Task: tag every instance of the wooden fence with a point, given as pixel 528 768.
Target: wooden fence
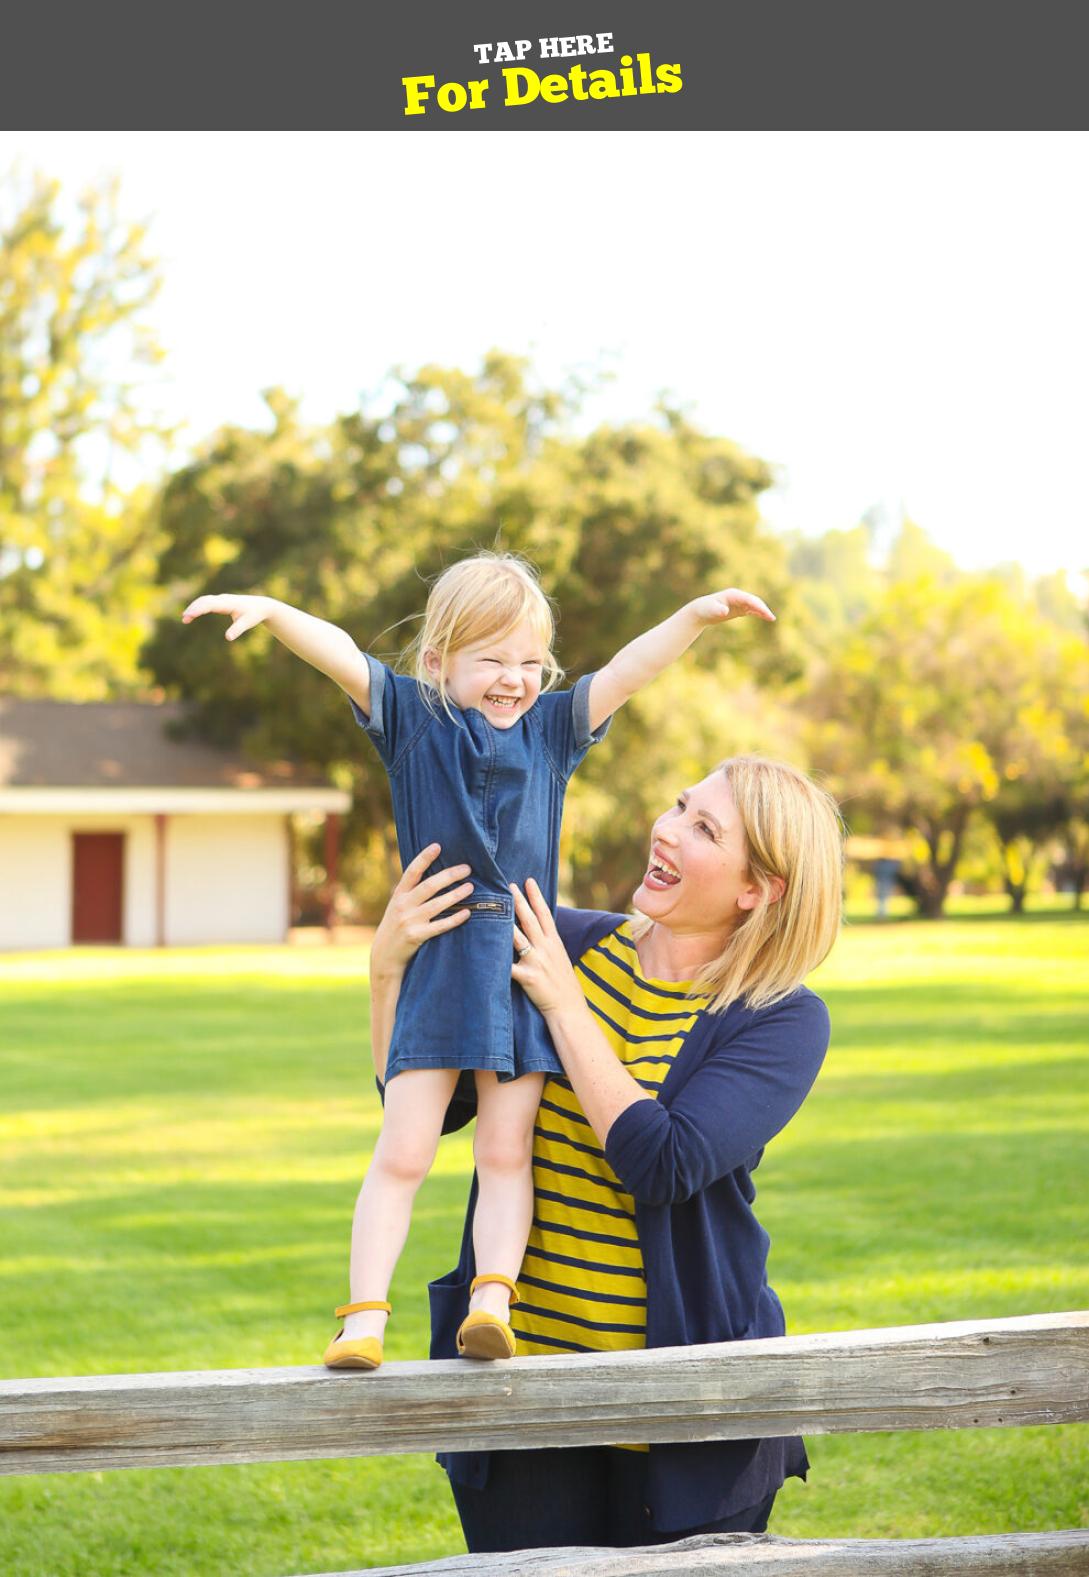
pixel 993 1373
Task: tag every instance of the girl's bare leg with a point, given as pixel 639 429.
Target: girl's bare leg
pixel 416 1102
pixel 503 1150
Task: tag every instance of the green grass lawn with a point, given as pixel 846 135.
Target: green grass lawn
pixel 183 1136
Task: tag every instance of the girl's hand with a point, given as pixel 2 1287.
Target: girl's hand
pixel 243 610
pixel 417 911
pixel 732 604
pixel 544 972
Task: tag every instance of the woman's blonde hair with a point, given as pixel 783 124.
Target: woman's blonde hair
pixel 794 831
pixel 481 599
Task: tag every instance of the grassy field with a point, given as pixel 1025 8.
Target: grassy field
pixel 183 1136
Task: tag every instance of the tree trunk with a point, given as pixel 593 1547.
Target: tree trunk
pixel 1016 891
pixel 935 879
pixel 933 891
pixel 1020 858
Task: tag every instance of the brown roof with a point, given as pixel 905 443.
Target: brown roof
pixel 122 744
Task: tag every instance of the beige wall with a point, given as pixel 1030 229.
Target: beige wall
pixel 226 878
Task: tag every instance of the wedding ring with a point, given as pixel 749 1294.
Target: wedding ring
pixel 522 951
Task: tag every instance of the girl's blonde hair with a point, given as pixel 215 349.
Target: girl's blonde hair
pixel 793 830
pixel 481 599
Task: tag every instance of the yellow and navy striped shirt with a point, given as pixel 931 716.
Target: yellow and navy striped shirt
pixel 582 1287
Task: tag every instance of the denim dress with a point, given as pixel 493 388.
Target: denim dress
pixel 493 797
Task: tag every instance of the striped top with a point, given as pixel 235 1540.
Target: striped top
pixel 582 1286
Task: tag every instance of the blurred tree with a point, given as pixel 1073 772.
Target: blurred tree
pixel 1074 841
pixel 1062 598
pixel 1023 824
pixel 914 555
pixel 834 583
pixel 630 522
pixel 77 557
pixel 352 521
pixel 838 578
pixel 945 693
pixel 1044 780
pixel 1073 830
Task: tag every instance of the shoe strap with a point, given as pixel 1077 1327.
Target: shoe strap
pixel 358 1308
pixel 485 1277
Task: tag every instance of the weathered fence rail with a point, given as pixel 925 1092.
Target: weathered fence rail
pixel 763 1555
pixel 993 1373
pixel 1032 1370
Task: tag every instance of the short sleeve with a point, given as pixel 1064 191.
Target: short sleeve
pixel 565 722
pixel 397 715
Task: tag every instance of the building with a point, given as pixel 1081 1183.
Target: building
pixel 112 831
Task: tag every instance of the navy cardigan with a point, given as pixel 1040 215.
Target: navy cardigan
pixel 687 1159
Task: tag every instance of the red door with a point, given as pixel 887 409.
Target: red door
pixel 98 865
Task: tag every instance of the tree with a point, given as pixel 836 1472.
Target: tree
pixel 837 581
pixel 1024 818
pixel 913 555
pixel 77 557
pixel 1074 839
pixel 1063 598
pixel 1073 789
pixel 943 695
pixel 839 578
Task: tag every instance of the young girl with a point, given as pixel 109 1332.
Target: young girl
pixel 478 748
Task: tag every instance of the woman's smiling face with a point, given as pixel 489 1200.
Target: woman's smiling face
pixel 697 877
pixel 501 678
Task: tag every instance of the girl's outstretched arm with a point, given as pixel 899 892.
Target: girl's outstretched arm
pixel 643 659
pixel 324 646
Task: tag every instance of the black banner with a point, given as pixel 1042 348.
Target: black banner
pixel 582 65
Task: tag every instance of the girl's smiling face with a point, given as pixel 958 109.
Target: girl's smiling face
pixel 501 677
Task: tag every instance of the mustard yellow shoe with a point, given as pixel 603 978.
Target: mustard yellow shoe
pixel 484 1335
pixel 363 1353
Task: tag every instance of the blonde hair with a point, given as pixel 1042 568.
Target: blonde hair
pixel 793 830
pixel 480 599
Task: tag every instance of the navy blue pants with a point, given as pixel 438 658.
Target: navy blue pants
pixel 587 1495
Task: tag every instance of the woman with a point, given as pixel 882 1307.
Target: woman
pixel 687 1041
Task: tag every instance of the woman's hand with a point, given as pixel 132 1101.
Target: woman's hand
pixel 603 1086
pixel 542 969
pixel 416 911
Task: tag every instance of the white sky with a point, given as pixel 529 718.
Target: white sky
pixel 896 320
